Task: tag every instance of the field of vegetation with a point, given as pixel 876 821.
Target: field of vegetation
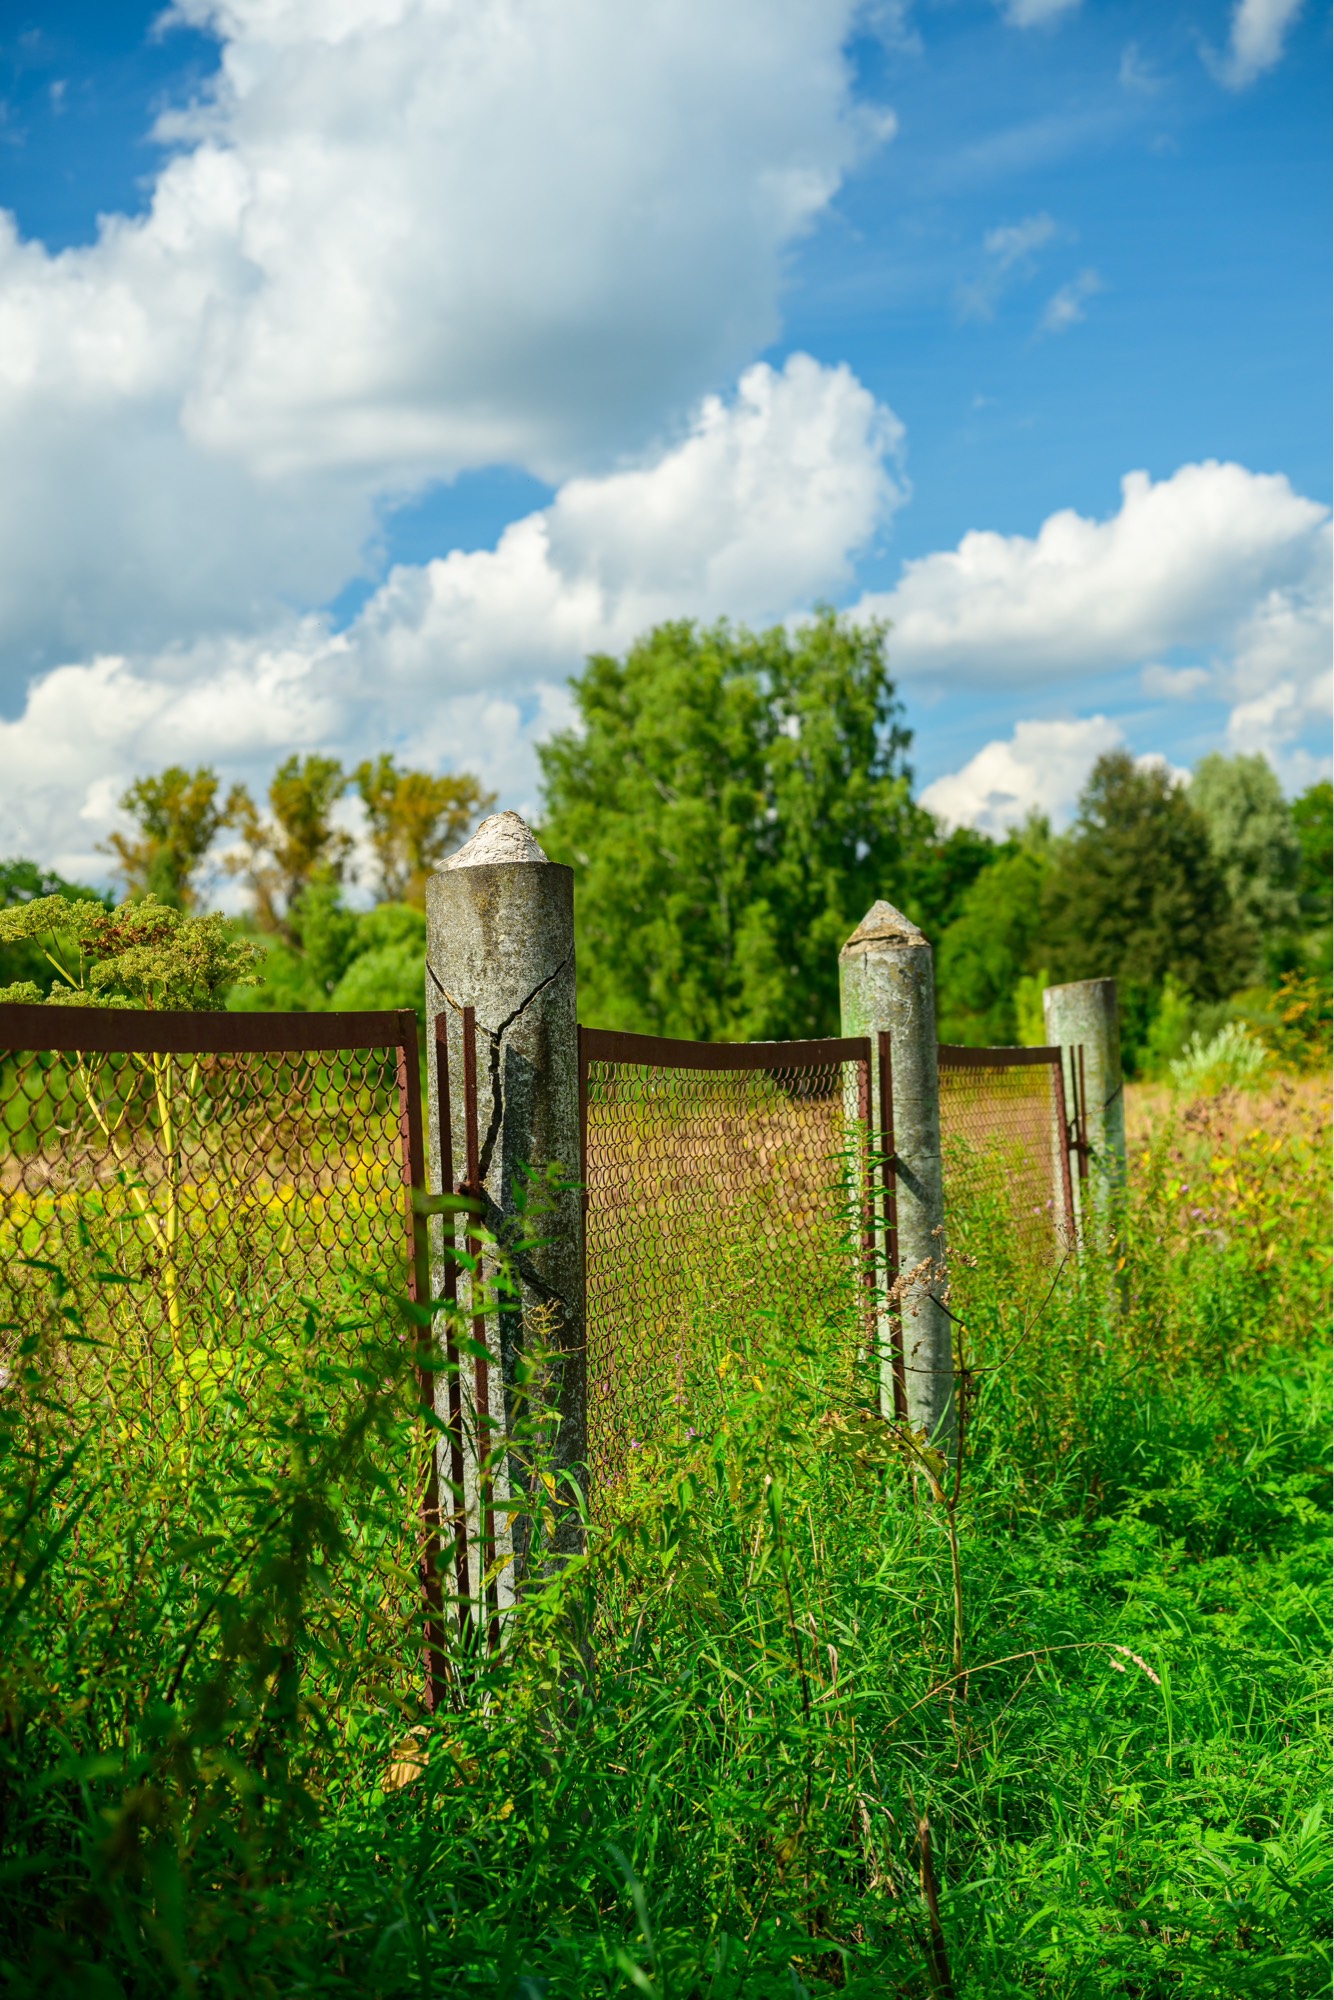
pixel 789 1727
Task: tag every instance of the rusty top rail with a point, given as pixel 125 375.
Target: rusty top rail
pixel 660 1052
pixel 954 1055
pixel 150 1031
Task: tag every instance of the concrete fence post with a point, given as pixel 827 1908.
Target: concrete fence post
pixel 1084 1016
pixel 500 939
pixel 887 982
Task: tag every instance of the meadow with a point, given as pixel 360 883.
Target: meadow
pixel 790 1726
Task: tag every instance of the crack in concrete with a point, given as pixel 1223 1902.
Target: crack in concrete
pixel 496 1036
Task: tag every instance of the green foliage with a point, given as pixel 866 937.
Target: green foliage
pixel 990 947
pixel 282 856
pixel 1029 1015
pixel 1135 893
pixel 178 818
pixel 1254 840
pixel 703 1765
pixel 1297 1023
pixel 144 954
pixel 1174 1016
pixel 1313 817
pixel 732 804
pixel 339 958
pixel 1233 1059
pixel 414 821
pixel 944 868
pixel 23 962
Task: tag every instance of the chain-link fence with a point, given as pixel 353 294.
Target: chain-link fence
pixel 206 1222
pixel 713 1173
pixel 217 1166
pixel 1006 1147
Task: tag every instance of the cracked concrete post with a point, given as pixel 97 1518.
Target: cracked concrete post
pixel 1085 1015
pixel 500 938
pixel 887 982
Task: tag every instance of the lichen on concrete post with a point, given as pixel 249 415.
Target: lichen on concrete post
pixel 1084 1015
pixel 887 983
pixel 500 939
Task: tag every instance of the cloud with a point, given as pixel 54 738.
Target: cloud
pixel 1065 308
pixel 1010 251
pixel 763 503
pixel 1036 13
pixel 1016 241
pixel 1135 74
pixel 396 239
pixel 1188 561
pixel 1279 678
pixel 1216 560
pixel 1041 768
pixel 1255 41
pixel 1174 683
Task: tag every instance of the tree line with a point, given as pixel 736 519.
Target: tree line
pixel 732 802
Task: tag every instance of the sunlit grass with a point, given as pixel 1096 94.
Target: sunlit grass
pixel 717 1749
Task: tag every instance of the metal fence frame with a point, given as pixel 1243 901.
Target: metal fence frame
pixel 36 1029
pixel 659 1052
pixel 1069 1134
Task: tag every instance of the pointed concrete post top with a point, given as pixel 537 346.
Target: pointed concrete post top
pixel 882 925
pixel 503 837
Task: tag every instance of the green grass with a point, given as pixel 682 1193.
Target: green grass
pixel 715 1749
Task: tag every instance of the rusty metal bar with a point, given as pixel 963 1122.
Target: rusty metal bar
pixel 585 1037
pixel 449 1291
pixel 955 1055
pixel 889 1166
pixel 1082 1115
pixel 419 1291
pixel 481 1361
pixel 1063 1128
pixel 867 1180
pixel 661 1052
pixel 150 1031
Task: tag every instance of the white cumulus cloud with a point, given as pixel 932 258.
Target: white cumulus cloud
pixel 1216 560
pixel 763 502
pixel 1258 31
pixel 1041 768
pixel 396 240
pixel 1184 561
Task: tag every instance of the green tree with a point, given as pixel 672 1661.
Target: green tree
pixel 1254 840
pixel 732 803
pixel 143 954
pixel 414 820
pixel 945 867
pixel 985 953
pixel 1135 892
pixel 1313 817
pixel 282 855
pixel 178 817
pixel 24 961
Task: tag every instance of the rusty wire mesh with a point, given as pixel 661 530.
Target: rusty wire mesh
pixel 216 1175
pixel 1003 1143
pixel 715 1176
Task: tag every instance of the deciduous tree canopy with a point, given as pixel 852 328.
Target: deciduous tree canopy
pixel 732 803
pixel 1136 892
pixel 178 817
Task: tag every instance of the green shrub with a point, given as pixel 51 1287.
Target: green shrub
pixel 1233 1059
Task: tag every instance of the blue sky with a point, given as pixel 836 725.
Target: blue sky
pixel 367 297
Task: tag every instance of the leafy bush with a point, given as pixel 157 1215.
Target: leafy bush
pixel 1233 1059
